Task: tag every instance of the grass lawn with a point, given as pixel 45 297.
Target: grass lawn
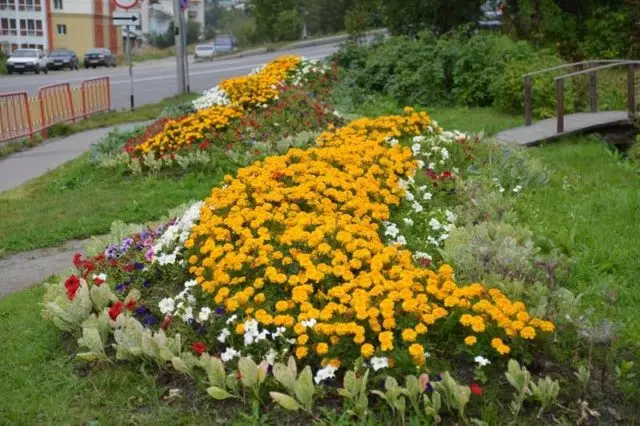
pixel 591 209
pixel 43 384
pixel 79 200
pixel 107 119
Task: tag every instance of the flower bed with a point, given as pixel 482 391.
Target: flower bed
pixel 288 86
pixel 305 255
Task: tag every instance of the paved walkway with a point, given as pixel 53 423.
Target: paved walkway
pixel 545 130
pixel 20 167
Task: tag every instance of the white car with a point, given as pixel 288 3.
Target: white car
pixel 22 60
pixel 204 51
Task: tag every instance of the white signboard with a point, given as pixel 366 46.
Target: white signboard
pixel 126 18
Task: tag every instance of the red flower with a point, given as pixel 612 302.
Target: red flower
pixel 77 260
pixel 98 281
pixel 128 268
pixel 72 284
pixel 198 347
pixel 115 310
pixel 475 389
pixel 166 322
pixel 130 305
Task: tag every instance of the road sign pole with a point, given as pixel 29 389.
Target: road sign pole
pixel 130 67
pixel 177 17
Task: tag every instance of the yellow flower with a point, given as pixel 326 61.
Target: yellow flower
pixel 281 305
pixel 322 348
pixel 303 339
pixel 367 350
pixel 386 340
pixel 409 335
pixel 301 352
pixel 470 340
pixel 416 351
pixel 240 328
pixel 528 333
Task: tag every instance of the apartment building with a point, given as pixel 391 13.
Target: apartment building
pixel 156 15
pixel 23 23
pixel 49 24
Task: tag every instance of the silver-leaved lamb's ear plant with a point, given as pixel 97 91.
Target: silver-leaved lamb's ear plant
pixel 95 332
pixel 252 375
pixel 519 378
pixel 355 392
pixel 300 390
pixel 222 386
pixel 393 396
pixel 545 391
pixel 454 395
pixel 427 408
pixel 67 315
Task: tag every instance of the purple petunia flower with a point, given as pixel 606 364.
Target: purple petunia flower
pixel 202 330
pixel 121 287
pixel 111 252
pixel 146 284
pixel 139 266
pixel 142 310
pixel 149 320
pixel 148 255
pixel 219 311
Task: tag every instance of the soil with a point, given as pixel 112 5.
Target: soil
pixel 21 270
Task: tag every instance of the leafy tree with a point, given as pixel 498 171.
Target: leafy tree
pixel 412 16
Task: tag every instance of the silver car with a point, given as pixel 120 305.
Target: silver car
pixel 204 52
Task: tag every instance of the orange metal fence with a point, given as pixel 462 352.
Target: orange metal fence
pixel 22 116
pixel 15 116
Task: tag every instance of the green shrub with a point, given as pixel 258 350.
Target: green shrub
pixel 288 26
pixel 3 63
pixel 509 90
pixel 480 63
pixel 634 151
pixel 607 34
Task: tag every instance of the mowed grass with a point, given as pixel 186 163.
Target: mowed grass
pixel 43 384
pixel 591 210
pixel 79 200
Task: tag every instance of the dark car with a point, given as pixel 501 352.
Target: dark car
pixel 63 58
pixel 224 43
pixel 99 57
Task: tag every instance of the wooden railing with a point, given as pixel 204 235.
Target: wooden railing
pixel 592 68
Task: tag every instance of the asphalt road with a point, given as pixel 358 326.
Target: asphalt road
pixel 155 80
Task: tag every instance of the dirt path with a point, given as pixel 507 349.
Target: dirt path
pixel 22 270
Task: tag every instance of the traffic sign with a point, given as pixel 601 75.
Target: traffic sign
pixel 125 18
pixel 125 4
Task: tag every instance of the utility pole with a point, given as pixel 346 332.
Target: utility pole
pixel 178 31
pixel 131 96
pixel 186 49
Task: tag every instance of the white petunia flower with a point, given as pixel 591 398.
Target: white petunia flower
pixel 188 314
pixel 101 277
pixel 224 333
pixel 435 224
pixel 191 299
pixel 328 372
pixel 451 217
pixel 167 305
pixel 309 323
pixel 401 240
pixel 270 357
pixel 409 196
pixel 420 164
pixel 517 189
pixel 279 332
pixel 427 196
pixel 379 362
pixel 393 142
pixel 232 318
pixel 190 283
pixel 419 255
pixel 417 207
pixel 408 221
pixel 204 314
pixel 229 354
pixel 416 148
pixel 481 361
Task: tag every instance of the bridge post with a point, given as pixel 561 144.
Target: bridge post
pixel 528 108
pixel 594 91
pixel 631 90
pixel 560 104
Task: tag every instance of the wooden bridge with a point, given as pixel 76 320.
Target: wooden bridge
pixel 563 125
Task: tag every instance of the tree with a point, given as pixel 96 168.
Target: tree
pixel 412 16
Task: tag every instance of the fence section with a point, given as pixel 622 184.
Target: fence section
pixel 15 116
pixel 22 116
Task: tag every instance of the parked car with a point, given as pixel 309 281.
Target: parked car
pixel 204 51
pixel 22 60
pixel 99 57
pixel 224 43
pixel 63 58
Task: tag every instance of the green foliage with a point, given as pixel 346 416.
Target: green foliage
pixel 545 391
pixel 3 63
pixel 288 26
pixel 520 379
pixel 393 396
pixel 454 395
pixel 509 90
pixel 634 151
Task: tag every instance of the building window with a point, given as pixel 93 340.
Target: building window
pixel 7 5
pixel 62 29
pixel 57 4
